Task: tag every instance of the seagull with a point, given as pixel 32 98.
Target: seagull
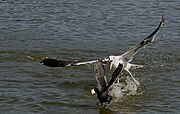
pixel 127 57
pixel 102 89
pixel 114 61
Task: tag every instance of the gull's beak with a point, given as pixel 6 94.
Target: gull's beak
pixel 110 64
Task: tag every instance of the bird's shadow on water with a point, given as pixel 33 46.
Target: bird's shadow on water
pixel 110 109
pixel 105 111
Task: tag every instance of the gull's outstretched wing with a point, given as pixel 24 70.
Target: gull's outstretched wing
pixel 128 56
pixel 64 63
pixel 100 76
pixel 115 74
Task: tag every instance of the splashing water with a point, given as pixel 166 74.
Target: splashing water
pixel 120 90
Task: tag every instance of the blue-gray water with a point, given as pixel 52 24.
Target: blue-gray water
pixel 31 30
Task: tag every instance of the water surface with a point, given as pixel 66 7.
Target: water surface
pixel 86 29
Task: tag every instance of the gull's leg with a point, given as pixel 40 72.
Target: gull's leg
pixel 131 75
pixel 135 81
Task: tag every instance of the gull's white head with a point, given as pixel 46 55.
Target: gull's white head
pixel 114 61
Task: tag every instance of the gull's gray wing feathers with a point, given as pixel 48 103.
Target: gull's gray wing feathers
pixel 100 74
pixel 128 56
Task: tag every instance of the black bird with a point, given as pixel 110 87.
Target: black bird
pixel 102 88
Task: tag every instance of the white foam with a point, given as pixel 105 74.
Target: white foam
pixel 121 89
